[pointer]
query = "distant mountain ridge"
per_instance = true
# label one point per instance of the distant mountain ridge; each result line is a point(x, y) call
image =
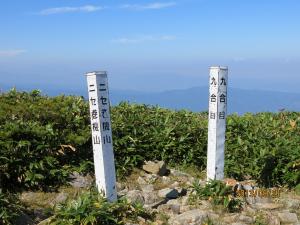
point(196, 99)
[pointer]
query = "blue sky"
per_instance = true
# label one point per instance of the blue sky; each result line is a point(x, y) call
point(150, 45)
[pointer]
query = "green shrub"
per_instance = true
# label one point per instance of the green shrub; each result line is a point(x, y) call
point(10, 208)
point(218, 194)
point(38, 136)
point(144, 132)
point(264, 146)
point(91, 208)
point(43, 138)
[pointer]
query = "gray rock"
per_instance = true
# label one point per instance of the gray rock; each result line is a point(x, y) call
point(157, 167)
point(287, 217)
point(165, 179)
point(135, 196)
point(79, 181)
point(169, 209)
point(185, 208)
point(246, 219)
point(273, 220)
point(168, 193)
point(60, 198)
point(147, 188)
point(292, 203)
point(268, 206)
point(195, 216)
point(150, 197)
point(27, 196)
point(150, 178)
point(177, 173)
point(175, 208)
point(141, 181)
point(214, 217)
point(120, 186)
point(175, 184)
point(230, 219)
point(185, 200)
point(123, 192)
point(173, 202)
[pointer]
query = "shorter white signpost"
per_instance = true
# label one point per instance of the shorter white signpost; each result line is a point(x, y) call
point(217, 122)
point(102, 134)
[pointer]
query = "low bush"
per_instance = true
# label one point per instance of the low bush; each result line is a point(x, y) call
point(218, 194)
point(10, 208)
point(90, 208)
point(43, 138)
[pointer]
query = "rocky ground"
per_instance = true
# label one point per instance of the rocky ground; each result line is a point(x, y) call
point(167, 193)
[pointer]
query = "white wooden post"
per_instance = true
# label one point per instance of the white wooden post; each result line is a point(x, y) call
point(102, 134)
point(217, 122)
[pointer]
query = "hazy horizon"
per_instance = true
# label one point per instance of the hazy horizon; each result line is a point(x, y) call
point(150, 45)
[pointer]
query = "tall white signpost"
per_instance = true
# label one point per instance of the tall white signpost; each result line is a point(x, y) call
point(102, 134)
point(217, 122)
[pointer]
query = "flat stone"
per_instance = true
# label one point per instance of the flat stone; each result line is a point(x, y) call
point(150, 197)
point(185, 200)
point(80, 181)
point(169, 209)
point(150, 178)
point(230, 219)
point(157, 167)
point(214, 217)
point(273, 220)
point(173, 202)
point(269, 206)
point(246, 219)
point(141, 181)
point(178, 173)
point(123, 192)
point(292, 203)
point(120, 186)
point(135, 196)
point(28, 196)
point(185, 208)
point(168, 193)
point(195, 216)
point(250, 210)
point(175, 208)
point(165, 180)
point(60, 198)
point(147, 188)
point(287, 217)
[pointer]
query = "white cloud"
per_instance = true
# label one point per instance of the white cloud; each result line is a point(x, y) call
point(86, 8)
point(11, 53)
point(155, 5)
point(144, 38)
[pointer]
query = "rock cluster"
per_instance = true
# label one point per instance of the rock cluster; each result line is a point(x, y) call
point(166, 192)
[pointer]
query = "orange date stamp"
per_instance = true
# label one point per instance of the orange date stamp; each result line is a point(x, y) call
point(261, 192)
